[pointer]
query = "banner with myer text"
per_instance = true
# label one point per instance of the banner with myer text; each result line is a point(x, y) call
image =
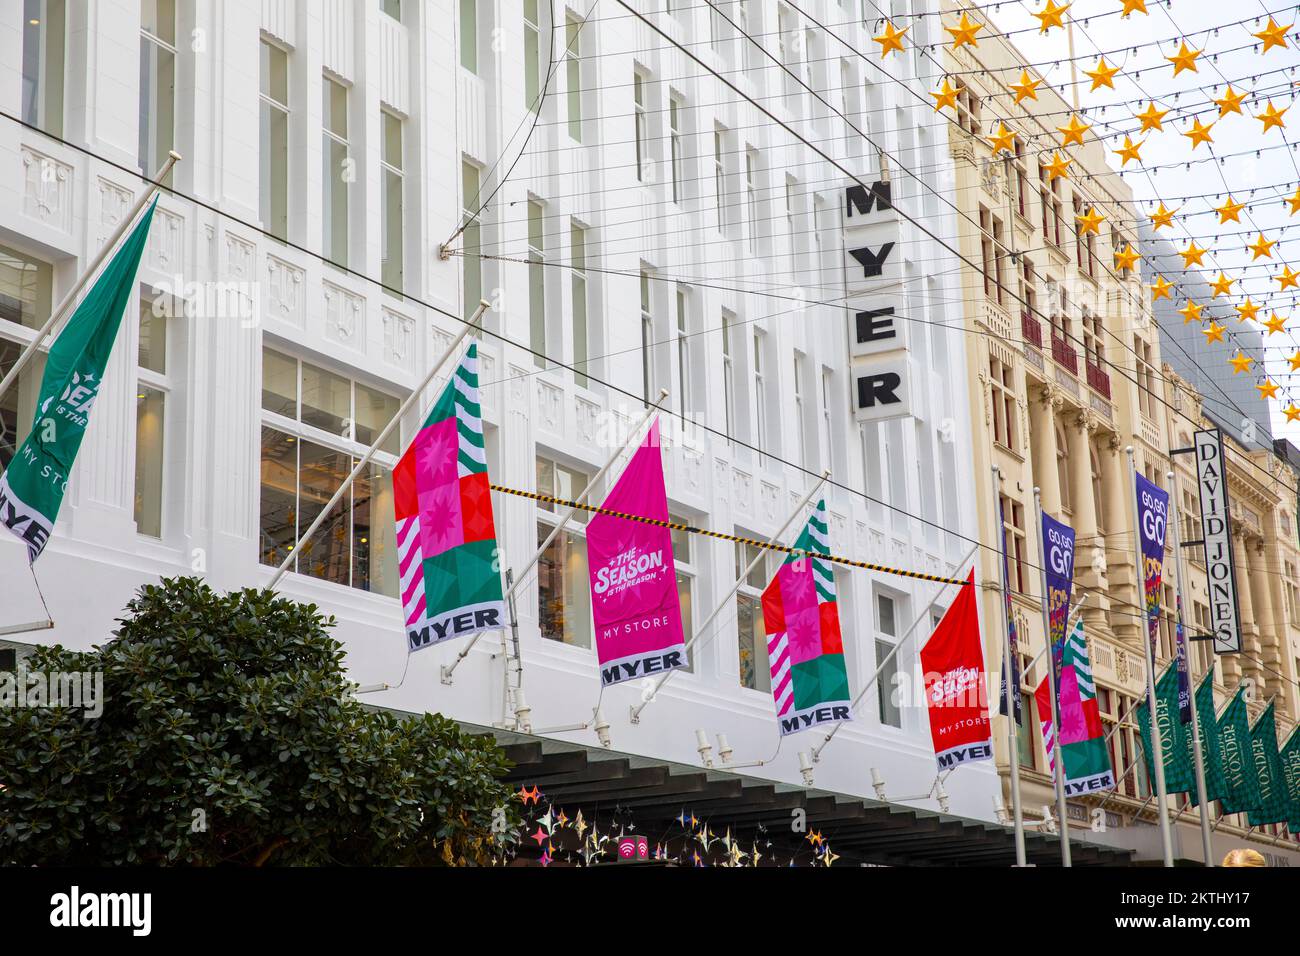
point(634, 601)
point(1083, 739)
point(1153, 519)
point(952, 663)
point(1058, 554)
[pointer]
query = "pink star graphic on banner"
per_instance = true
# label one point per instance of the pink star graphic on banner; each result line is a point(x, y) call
point(541, 836)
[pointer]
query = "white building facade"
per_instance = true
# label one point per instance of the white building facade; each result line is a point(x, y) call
point(651, 225)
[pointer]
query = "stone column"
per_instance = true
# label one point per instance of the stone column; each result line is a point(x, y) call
point(1234, 665)
point(1269, 629)
point(1042, 441)
point(1088, 570)
point(1126, 623)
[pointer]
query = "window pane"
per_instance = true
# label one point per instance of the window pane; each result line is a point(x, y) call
point(374, 533)
point(148, 461)
point(684, 597)
point(25, 287)
point(18, 405)
point(157, 119)
point(885, 689)
point(374, 411)
point(279, 384)
point(755, 672)
point(320, 473)
point(563, 589)
point(392, 141)
point(469, 35)
point(153, 334)
point(392, 7)
point(326, 400)
point(274, 196)
point(393, 254)
point(275, 73)
point(277, 526)
point(159, 18)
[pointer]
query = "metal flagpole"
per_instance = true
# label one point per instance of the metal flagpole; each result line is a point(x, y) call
point(1157, 745)
point(448, 670)
point(880, 667)
point(1198, 758)
point(1008, 678)
point(634, 714)
point(65, 304)
point(406, 406)
point(1052, 678)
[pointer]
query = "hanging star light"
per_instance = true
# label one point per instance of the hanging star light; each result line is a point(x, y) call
point(530, 795)
point(1184, 59)
point(1287, 279)
point(1090, 222)
point(815, 838)
point(1295, 361)
point(1003, 138)
point(1291, 412)
point(1192, 255)
point(1058, 168)
point(1230, 211)
point(1160, 288)
point(1263, 248)
point(1129, 150)
point(1272, 117)
point(1162, 217)
point(541, 836)
point(1275, 323)
point(1050, 16)
point(1025, 88)
point(1222, 286)
point(1268, 389)
point(1191, 312)
point(1133, 6)
point(1214, 333)
point(1199, 133)
point(547, 819)
point(1248, 311)
point(829, 857)
point(1103, 75)
point(1073, 133)
point(1125, 259)
point(1230, 102)
point(963, 34)
point(1273, 35)
point(1294, 202)
point(1241, 362)
point(891, 39)
point(1151, 117)
point(580, 825)
point(946, 96)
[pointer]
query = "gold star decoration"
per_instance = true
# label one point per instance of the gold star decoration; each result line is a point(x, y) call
point(1295, 361)
point(1275, 323)
point(1271, 117)
point(890, 40)
point(1050, 16)
point(1150, 117)
point(1199, 133)
point(1162, 217)
point(1222, 285)
point(1230, 102)
point(1191, 255)
point(1287, 279)
point(1090, 222)
point(1184, 59)
point(1263, 248)
point(1247, 311)
point(1191, 312)
point(1268, 389)
point(1025, 88)
point(1058, 168)
point(1103, 75)
point(1129, 150)
point(946, 96)
point(1273, 35)
point(1214, 333)
point(1294, 202)
point(1073, 133)
point(963, 34)
point(1291, 412)
point(1160, 288)
point(1230, 211)
point(1003, 138)
point(1240, 362)
point(1125, 259)
point(1133, 6)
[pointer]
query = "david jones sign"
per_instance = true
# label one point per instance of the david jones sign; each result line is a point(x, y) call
point(1212, 482)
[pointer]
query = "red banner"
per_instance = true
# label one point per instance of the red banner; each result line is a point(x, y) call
point(953, 664)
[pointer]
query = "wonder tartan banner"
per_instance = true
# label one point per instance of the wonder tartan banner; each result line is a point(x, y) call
point(1289, 755)
point(447, 555)
point(1180, 776)
point(1274, 803)
point(1083, 739)
point(32, 487)
point(1211, 745)
point(1241, 782)
point(1153, 515)
point(952, 665)
point(810, 683)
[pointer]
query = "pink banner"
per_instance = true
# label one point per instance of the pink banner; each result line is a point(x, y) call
point(634, 601)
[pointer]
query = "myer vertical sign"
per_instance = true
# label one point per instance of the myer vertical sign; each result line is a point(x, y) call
point(879, 361)
point(1212, 479)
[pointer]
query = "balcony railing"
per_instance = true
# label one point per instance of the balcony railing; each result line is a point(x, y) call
point(1098, 378)
point(1031, 329)
point(1064, 354)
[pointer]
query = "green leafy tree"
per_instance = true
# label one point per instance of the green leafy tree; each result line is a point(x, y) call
point(229, 736)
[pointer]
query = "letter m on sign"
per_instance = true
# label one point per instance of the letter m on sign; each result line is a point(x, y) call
point(862, 199)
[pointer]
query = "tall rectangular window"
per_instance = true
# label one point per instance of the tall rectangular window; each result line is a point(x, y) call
point(44, 50)
point(573, 75)
point(157, 83)
point(532, 54)
point(684, 385)
point(152, 386)
point(469, 35)
point(471, 264)
point(719, 177)
point(826, 432)
point(751, 198)
point(536, 283)
point(578, 260)
point(760, 392)
point(800, 410)
point(337, 173)
point(728, 377)
point(563, 587)
point(638, 104)
point(392, 169)
point(274, 103)
point(887, 681)
point(647, 339)
point(675, 109)
point(755, 671)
